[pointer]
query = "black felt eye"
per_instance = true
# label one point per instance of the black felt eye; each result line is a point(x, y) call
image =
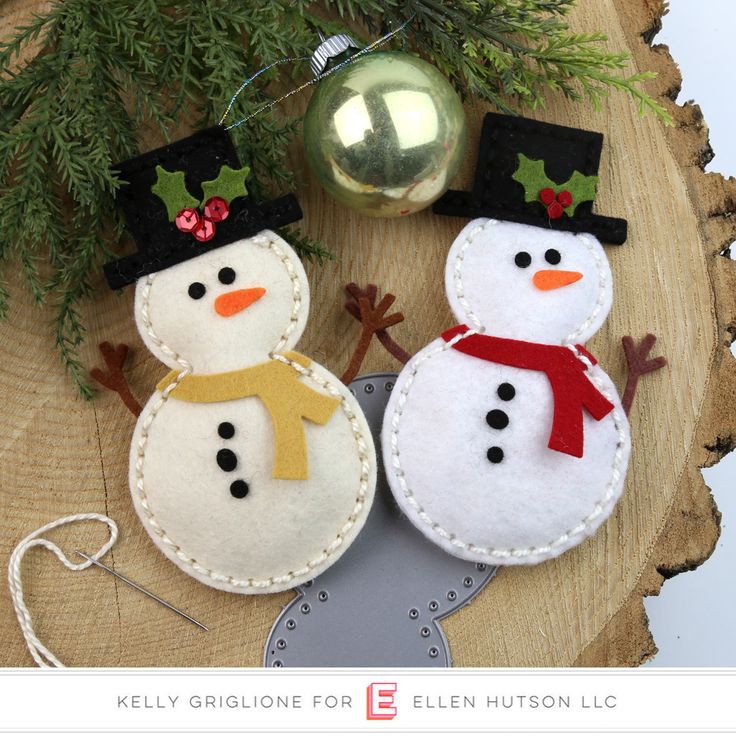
point(552, 256)
point(197, 290)
point(523, 259)
point(226, 275)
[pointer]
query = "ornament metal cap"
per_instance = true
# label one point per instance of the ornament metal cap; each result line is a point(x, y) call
point(329, 49)
point(567, 154)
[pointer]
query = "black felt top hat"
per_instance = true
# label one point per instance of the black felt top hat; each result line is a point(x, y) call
point(537, 174)
point(163, 199)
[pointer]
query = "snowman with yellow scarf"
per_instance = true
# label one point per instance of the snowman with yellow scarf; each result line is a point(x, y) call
point(252, 468)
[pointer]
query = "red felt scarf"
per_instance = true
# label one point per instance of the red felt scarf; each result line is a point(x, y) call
point(572, 391)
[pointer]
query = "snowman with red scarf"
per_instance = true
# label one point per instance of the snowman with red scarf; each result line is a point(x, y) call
point(504, 441)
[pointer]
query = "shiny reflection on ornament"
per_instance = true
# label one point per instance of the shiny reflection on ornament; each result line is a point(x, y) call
point(414, 117)
point(352, 121)
point(386, 134)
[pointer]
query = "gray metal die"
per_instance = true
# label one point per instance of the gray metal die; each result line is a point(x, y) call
point(380, 605)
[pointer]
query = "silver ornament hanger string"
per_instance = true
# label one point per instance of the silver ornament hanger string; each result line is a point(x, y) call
point(371, 47)
point(285, 60)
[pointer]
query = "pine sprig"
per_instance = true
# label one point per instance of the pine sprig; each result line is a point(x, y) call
point(509, 52)
point(82, 81)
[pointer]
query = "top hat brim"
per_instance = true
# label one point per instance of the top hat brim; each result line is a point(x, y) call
point(611, 230)
point(244, 222)
point(497, 194)
point(160, 244)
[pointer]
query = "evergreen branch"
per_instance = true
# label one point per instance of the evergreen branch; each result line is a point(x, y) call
point(509, 51)
point(306, 247)
point(100, 74)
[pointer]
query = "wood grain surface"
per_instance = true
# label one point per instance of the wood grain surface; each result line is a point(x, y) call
point(60, 455)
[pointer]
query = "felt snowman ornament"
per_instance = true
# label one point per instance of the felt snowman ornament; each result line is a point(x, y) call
point(251, 467)
point(504, 441)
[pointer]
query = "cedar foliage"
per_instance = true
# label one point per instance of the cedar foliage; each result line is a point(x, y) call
point(83, 81)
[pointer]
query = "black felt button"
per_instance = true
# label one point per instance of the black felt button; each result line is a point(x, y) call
point(226, 430)
point(226, 275)
point(523, 259)
point(552, 256)
point(506, 392)
point(197, 290)
point(497, 419)
point(227, 460)
point(239, 489)
point(495, 454)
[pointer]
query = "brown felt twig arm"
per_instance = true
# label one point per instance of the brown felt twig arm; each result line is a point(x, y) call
point(114, 378)
point(371, 292)
point(374, 320)
point(637, 357)
point(383, 337)
point(366, 335)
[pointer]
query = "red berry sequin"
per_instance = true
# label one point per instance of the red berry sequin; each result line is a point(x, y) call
point(188, 220)
point(205, 231)
point(216, 209)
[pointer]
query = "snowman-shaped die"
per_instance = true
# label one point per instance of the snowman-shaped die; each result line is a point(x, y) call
point(251, 467)
point(504, 442)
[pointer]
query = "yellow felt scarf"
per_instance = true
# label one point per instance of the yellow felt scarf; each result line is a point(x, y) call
point(287, 400)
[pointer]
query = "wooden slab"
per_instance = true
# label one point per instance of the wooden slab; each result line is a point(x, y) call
point(59, 455)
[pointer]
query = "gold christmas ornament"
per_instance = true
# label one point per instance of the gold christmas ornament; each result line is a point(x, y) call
point(386, 134)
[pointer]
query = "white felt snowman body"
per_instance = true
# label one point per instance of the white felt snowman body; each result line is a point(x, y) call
point(248, 492)
point(495, 461)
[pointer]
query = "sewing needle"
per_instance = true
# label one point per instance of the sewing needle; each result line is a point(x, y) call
point(142, 590)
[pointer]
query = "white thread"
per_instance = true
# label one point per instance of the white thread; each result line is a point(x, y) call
point(458, 276)
point(413, 369)
point(601, 290)
point(40, 653)
point(296, 289)
point(147, 421)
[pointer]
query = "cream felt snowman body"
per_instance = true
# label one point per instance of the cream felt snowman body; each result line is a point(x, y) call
point(467, 440)
point(204, 471)
point(251, 467)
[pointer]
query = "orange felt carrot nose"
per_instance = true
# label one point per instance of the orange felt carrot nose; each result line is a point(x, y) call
point(549, 279)
point(232, 302)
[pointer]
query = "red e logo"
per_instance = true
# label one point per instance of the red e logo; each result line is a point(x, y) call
point(380, 701)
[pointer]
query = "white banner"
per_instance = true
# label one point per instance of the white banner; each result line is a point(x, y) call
point(368, 701)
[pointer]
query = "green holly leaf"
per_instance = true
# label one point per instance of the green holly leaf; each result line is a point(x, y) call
point(581, 187)
point(171, 189)
point(229, 185)
point(530, 174)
